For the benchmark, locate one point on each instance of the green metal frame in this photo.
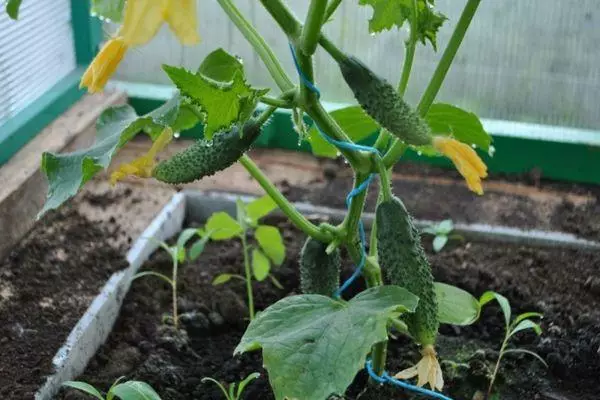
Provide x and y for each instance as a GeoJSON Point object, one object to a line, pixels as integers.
{"type": "Point", "coordinates": [558, 153]}
{"type": "Point", "coordinates": [20, 129]}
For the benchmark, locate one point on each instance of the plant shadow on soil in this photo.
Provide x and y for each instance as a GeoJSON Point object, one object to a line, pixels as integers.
{"type": "Point", "coordinates": [552, 281]}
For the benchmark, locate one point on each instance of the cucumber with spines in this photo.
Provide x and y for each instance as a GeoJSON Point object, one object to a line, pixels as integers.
{"type": "Point", "coordinates": [404, 263]}
{"type": "Point", "coordinates": [206, 157]}
{"type": "Point", "coordinates": [319, 271]}
{"type": "Point", "coordinates": [384, 104]}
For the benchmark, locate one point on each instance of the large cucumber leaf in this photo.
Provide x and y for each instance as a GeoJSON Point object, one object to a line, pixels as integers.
{"type": "Point", "coordinates": [67, 173]}
{"type": "Point", "coordinates": [456, 306]}
{"type": "Point", "coordinates": [446, 119]}
{"type": "Point", "coordinates": [313, 345]}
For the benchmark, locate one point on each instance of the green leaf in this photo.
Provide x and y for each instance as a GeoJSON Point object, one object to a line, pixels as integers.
{"type": "Point", "coordinates": [198, 247]}
{"type": "Point", "coordinates": [176, 113]}
{"type": "Point", "coordinates": [313, 345]}
{"type": "Point", "coordinates": [222, 103]}
{"type": "Point", "coordinates": [445, 227]}
{"type": "Point", "coordinates": [526, 315]}
{"type": "Point", "coordinates": [182, 240]}
{"type": "Point", "coordinates": [439, 242]}
{"type": "Point", "coordinates": [84, 387]}
{"type": "Point", "coordinates": [135, 390]}
{"type": "Point", "coordinates": [221, 66]}
{"type": "Point", "coordinates": [260, 207]}
{"type": "Point", "coordinates": [270, 240]}
{"type": "Point", "coordinates": [221, 279]}
{"type": "Point", "coordinates": [526, 324]}
{"type": "Point", "coordinates": [109, 9]}
{"type": "Point", "coordinates": [245, 382]}
{"type": "Point", "coordinates": [222, 226]}
{"type": "Point", "coordinates": [429, 23]}
{"type": "Point", "coordinates": [456, 306]}
{"type": "Point", "coordinates": [12, 8]}
{"type": "Point", "coordinates": [352, 120]}
{"type": "Point", "coordinates": [446, 119]}
{"type": "Point", "coordinates": [503, 301]}
{"type": "Point", "coordinates": [260, 265]}
{"type": "Point", "coordinates": [528, 352]}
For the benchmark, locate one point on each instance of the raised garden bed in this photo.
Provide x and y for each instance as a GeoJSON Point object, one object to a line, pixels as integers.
{"type": "Point", "coordinates": [533, 278]}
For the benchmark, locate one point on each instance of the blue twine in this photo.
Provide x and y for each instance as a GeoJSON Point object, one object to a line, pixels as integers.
{"type": "Point", "coordinates": [385, 377]}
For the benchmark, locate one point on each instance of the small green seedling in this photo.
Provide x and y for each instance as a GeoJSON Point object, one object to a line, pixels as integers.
{"type": "Point", "coordinates": [520, 323]}
{"type": "Point", "coordinates": [178, 255]}
{"type": "Point", "coordinates": [442, 233]}
{"type": "Point", "coordinates": [270, 249]}
{"type": "Point", "coordinates": [129, 390]}
{"type": "Point", "coordinates": [230, 393]}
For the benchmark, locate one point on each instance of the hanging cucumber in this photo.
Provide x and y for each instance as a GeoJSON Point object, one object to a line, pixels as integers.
{"type": "Point", "coordinates": [206, 157]}
{"type": "Point", "coordinates": [405, 264]}
{"type": "Point", "coordinates": [384, 104]}
{"type": "Point", "coordinates": [319, 271]}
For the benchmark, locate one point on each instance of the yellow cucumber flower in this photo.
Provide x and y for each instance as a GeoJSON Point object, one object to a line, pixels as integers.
{"type": "Point", "coordinates": [427, 371]}
{"type": "Point", "coordinates": [143, 166]}
{"type": "Point", "coordinates": [143, 19]}
{"type": "Point", "coordinates": [466, 160]}
{"type": "Point", "coordinates": [104, 65]}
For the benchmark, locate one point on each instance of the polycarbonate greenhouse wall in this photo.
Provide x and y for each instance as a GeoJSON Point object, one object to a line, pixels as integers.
{"type": "Point", "coordinates": [522, 60]}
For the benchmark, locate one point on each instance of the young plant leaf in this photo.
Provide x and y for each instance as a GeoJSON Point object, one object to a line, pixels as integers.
{"type": "Point", "coordinates": [306, 338]}
{"type": "Point", "coordinates": [12, 8]}
{"type": "Point", "coordinates": [198, 247]}
{"type": "Point", "coordinates": [270, 240]}
{"type": "Point", "coordinates": [216, 382]}
{"type": "Point", "coordinates": [526, 324]}
{"type": "Point", "coordinates": [456, 306]}
{"type": "Point", "coordinates": [223, 103]}
{"type": "Point", "coordinates": [182, 240]}
{"type": "Point", "coordinates": [221, 66]}
{"type": "Point", "coordinates": [223, 226]}
{"type": "Point", "coordinates": [439, 242]}
{"type": "Point", "coordinates": [84, 387]}
{"type": "Point", "coordinates": [108, 9]}
{"type": "Point", "coordinates": [260, 208]}
{"type": "Point", "coordinates": [529, 352]}
{"type": "Point", "coordinates": [526, 315]}
{"type": "Point", "coordinates": [245, 382]}
{"type": "Point", "coordinates": [135, 390]}
{"type": "Point", "coordinates": [260, 265]}
{"type": "Point", "coordinates": [445, 227]}
{"type": "Point", "coordinates": [353, 120]}
{"type": "Point", "coordinates": [446, 119]}
{"type": "Point", "coordinates": [503, 301]}
{"type": "Point", "coordinates": [221, 279]}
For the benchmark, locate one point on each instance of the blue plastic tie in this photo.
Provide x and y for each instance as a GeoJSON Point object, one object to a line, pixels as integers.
{"type": "Point", "coordinates": [385, 378]}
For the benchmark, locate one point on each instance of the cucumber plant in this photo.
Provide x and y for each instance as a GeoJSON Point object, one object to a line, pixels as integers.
{"type": "Point", "coordinates": [520, 323]}
{"type": "Point", "coordinates": [128, 390]}
{"type": "Point", "coordinates": [270, 249]}
{"type": "Point", "coordinates": [442, 233]}
{"type": "Point", "coordinates": [230, 393]}
{"type": "Point", "coordinates": [314, 343]}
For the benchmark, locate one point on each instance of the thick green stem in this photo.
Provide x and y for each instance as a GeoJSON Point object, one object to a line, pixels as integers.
{"type": "Point", "coordinates": [337, 54]}
{"type": "Point", "coordinates": [312, 27]}
{"type": "Point", "coordinates": [411, 46]}
{"type": "Point", "coordinates": [284, 18]}
{"type": "Point", "coordinates": [271, 101]}
{"type": "Point", "coordinates": [286, 207]}
{"type": "Point", "coordinates": [439, 75]}
{"type": "Point", "coordinates": [248, 274]}
{"type": "Point", "coordinates": [258, 43]}
{"type": "Point", "coordinates": [333, 5]}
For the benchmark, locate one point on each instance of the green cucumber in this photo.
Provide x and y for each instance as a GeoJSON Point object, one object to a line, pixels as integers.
{"type": "Point", "coordinates": [319, 271]}
{"type": "Point", "coordinates": [206, 157]}
{"type": "Point", "coordinates": [384, 104]}
{"type": "Point", "coordinates": [404, 263]}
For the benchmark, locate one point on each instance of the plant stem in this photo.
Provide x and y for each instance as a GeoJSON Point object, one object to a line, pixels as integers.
{"type": "Point", "coordinates": [174, 292]}
{"type": "Point", "coordinates": [258, 43]}
{"type": "Point", "coordinates": [286, 207]}
{"type": "Point", "coordinates": [284, 18]}
{"type": "Point", "coordinates": [332, 49]}
{"type": "Point", "coordinates": [411, 46]}
{"type": "Point", "coordinates": [312, 27]}
{"type": "Point", "coordinates": [248, 274]}
{"type": "Point", "coordinates": [279, 103]}
{"type": "Point", "coordinates": [497, 366]}
{"type": "Point", "coordinates": [333, 5]}
{"type": "Point", "coordinates": [439, 75]}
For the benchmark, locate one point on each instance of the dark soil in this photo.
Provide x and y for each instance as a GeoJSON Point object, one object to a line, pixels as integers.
{"type": "Point", "coordinates": [434, 193]}
{"type": "Point", "coordinates": [46, 284]}
{"type": "Point", "coordinates": [563, 284]}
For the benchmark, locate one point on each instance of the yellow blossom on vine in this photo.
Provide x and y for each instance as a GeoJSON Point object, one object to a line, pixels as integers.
{"type": "Point", "coordinates": [466, 160]}
{"type": "Point", "coordinates": [104, 65]}
{"type": "Point", "coordinates": [143, 166]}
{"type": "Point", "coordinates": [142, 20]}
{"type": "Point", "coordinates": [427, 371]}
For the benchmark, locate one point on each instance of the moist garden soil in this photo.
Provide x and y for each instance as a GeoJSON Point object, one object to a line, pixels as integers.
{"type": "Point", "coordinates": [46, 284]}
{"type": "Point", "coordinates": [562, 284]}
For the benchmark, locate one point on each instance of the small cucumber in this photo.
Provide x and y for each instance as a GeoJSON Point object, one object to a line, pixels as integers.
{"type": "Point", "coordinates": [319, 271]}
{"type": "Point", "coordinates": [384, 104]}
{"type": "Point", "coordinates": [206, 157]}
{"type": "Point", "coordinates": [405, 264]}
